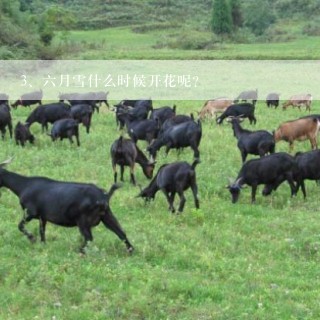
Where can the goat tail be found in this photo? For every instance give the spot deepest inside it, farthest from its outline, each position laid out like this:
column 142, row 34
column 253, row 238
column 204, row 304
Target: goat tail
column 113, row 188
column 195, row 163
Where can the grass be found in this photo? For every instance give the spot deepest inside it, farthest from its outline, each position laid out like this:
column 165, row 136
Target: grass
column 222, row 261
column 122, row 43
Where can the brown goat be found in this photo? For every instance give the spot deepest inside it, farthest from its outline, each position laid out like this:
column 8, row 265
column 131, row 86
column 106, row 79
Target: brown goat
column 300, row 129
column 212, row 107
column 298, row 101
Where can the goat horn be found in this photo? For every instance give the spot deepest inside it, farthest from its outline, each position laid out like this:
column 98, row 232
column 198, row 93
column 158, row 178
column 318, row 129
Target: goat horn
column 4, row 163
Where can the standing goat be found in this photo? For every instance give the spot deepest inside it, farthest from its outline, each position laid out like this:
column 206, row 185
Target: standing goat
column 300, row 129
column 124, row 152
column 258, row 142
column 171, row 179
column 66, row 204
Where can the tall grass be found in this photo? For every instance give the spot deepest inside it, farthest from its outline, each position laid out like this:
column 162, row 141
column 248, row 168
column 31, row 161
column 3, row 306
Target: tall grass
column 223, row 261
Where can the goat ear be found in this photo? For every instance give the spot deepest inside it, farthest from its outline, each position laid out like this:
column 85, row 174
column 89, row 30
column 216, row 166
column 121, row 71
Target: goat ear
column 5, row 162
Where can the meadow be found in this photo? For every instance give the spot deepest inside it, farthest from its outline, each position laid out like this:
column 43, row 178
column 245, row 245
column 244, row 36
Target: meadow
column 123, row 43
column 223, row 261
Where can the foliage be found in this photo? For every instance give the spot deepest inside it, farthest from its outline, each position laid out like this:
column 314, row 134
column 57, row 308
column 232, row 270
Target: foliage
column 221, row 17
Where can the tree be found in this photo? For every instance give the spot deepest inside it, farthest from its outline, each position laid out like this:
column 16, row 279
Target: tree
column 258, row 15
column 236, row 13
column 221, row 17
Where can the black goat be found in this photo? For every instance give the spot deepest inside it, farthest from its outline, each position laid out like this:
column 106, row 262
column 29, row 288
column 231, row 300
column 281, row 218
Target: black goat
column 66, row 204
column 146, row 130
column 5, row 120
column 171, row 179
column 180, row 118
column 65, row 128
column 163, row 113
column 28, row 99
column 272, row 100
column 22, row 134
column 83, row 114
column 186, row 134
column 124, row 152
column 258, row 142
column 243, row 110
column 4, row 98
column 270, row 170
column 48, row 113
column 135, row 109
column 308, row 168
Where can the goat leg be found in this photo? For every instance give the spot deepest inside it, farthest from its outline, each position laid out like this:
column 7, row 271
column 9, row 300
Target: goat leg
column 110, row 222
column 22, row 228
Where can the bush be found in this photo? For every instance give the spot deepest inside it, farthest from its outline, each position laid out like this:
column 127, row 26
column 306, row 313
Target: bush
column 189, row 40
column 312, row 28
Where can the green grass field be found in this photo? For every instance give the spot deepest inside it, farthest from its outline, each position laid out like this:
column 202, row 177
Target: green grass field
column 223, row 261
column 122, row 43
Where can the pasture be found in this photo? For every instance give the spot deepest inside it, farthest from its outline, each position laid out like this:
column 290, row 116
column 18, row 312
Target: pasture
column 223, row 261
column 123, row 43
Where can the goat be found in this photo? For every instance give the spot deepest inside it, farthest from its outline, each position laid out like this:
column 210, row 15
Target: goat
column 66, row 204
column 298, row 101
column 270, row 170
column 308, row 168
column 248, row 95
column 22, row 134
column 245, row 110
column 83, row 114
column 4, row 98
column 163, row 113
column 65, row 128
column 171, row 179
column 5, row 120
column 180, row 118
column 28, row 99
column 300, row 129
column 48, row 113
column 258, row 142
column 272, row 100
column 186, row 134
column 212, row 107
column 146, row 130
column 124, row 152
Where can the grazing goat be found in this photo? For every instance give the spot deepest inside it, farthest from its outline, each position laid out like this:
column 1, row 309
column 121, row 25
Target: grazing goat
column 272, row 100
column 258, row 142
column 163, row 113
column 5, row 120
column 243, row 110
column 212, row 107
column 28, row 99
column 68, row 204
column 248, row 95
column 65, row 128
column 298, row 101
column 89, row 98
column 186, row 134
column 124, row 152
column 48, row 113
column 308, row 168
column 300, row 129
column 270, row 170
column 22, row 134
column 171, row 179
column 83, row 114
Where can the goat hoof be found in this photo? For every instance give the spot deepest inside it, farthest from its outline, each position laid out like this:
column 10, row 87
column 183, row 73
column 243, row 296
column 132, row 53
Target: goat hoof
column 130, row 250
column 32, row 238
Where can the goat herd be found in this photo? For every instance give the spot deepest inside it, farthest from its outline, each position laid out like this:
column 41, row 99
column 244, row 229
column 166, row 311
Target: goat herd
column 86, row 205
